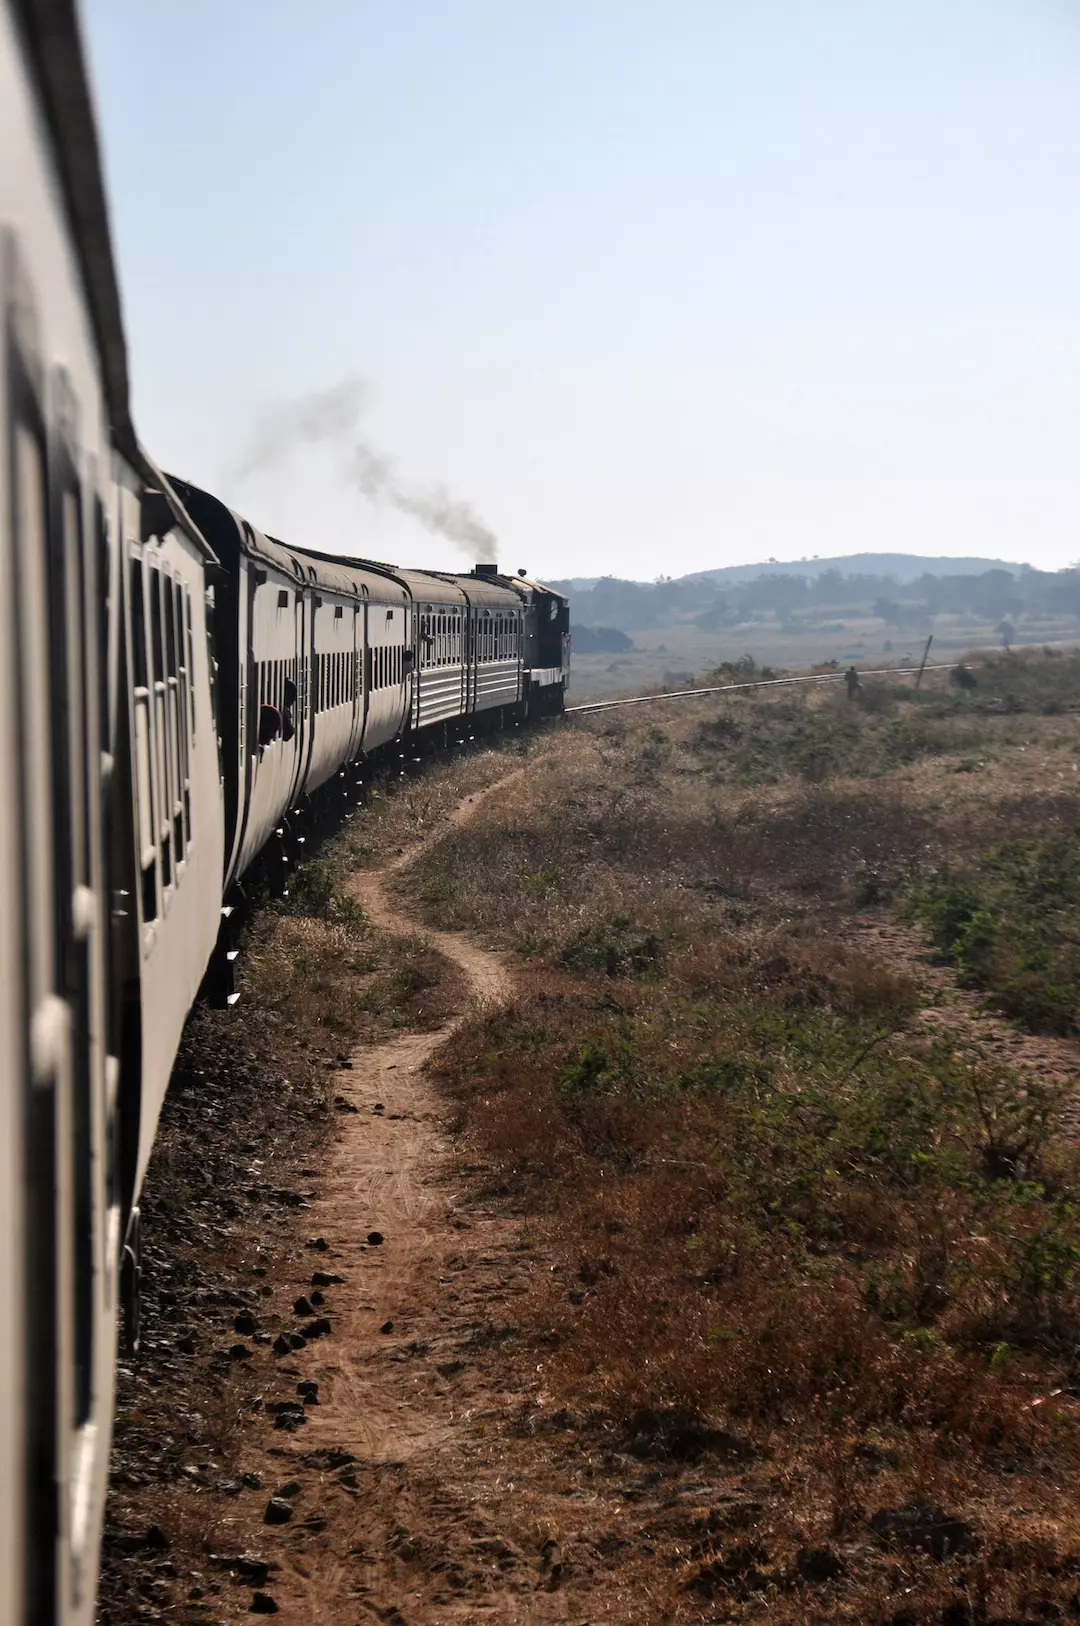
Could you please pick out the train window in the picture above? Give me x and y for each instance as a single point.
(173, 715)
(191, 660)
(183, 710)
(165, 741)
(144, 776)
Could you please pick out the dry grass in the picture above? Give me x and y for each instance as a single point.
(793, 1226)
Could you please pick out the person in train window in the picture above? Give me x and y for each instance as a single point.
(288, 727)
(269, 725)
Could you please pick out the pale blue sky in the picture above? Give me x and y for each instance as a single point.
(657, 286)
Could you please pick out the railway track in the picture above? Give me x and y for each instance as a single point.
(766, 683)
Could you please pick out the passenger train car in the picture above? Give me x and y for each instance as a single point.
(175, 688)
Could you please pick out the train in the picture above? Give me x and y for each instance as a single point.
(176, 689)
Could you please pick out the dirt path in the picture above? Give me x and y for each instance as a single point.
(394, 1516)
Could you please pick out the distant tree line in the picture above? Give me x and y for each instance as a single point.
(994, 595)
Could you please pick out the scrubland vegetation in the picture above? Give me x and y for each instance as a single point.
(799, 1228)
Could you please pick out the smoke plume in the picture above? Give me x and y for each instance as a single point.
(332, 417)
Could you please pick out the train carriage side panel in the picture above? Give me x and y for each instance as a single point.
(337, 637)
(273, 725)
(440, 639)
(494, 640)
(57, 1195)
(387, 676)
(180, 832)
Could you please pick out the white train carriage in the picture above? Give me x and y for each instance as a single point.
(77, 932)
(176, 802)
(388, 661)
(495, 638)
(440, 620)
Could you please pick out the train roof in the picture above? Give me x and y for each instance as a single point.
(353, 577)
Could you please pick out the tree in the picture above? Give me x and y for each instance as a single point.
(1006, 632)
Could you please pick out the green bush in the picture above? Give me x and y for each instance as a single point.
(1008, 922)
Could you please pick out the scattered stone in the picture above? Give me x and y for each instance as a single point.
(323, 1278)
(319, 1243)
(344, 1105)
(320, 1328)
(926, 1529)
(450, 1369)
(303, 1306)
(290, 1490)
(378, 1107)
(252, 1481)
(387, 1326)
(375, 1239)
(291, 1420)
(317, 1298)
(186, 1345)
(278, 1511)
(245, 1324)
(156, 1539)
(310, 1392)
(818, 1564)
(282, 1344)
(239, 1352)
(297, 1340)
(263, 1604)
(255, 1571)
(316, 1522)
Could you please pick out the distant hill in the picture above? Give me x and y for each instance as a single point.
(900, 590)
(901, 567)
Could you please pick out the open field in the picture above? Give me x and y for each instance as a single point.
(730, 1244)
(808, 1230)
(684, 648)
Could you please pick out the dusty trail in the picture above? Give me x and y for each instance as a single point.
(390, 1520)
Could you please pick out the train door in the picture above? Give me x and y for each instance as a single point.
(300, 722)
(365, 667)
(469, 631)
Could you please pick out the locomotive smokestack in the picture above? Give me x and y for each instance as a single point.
(485, 570)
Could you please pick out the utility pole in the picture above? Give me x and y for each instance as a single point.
(922, 663)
